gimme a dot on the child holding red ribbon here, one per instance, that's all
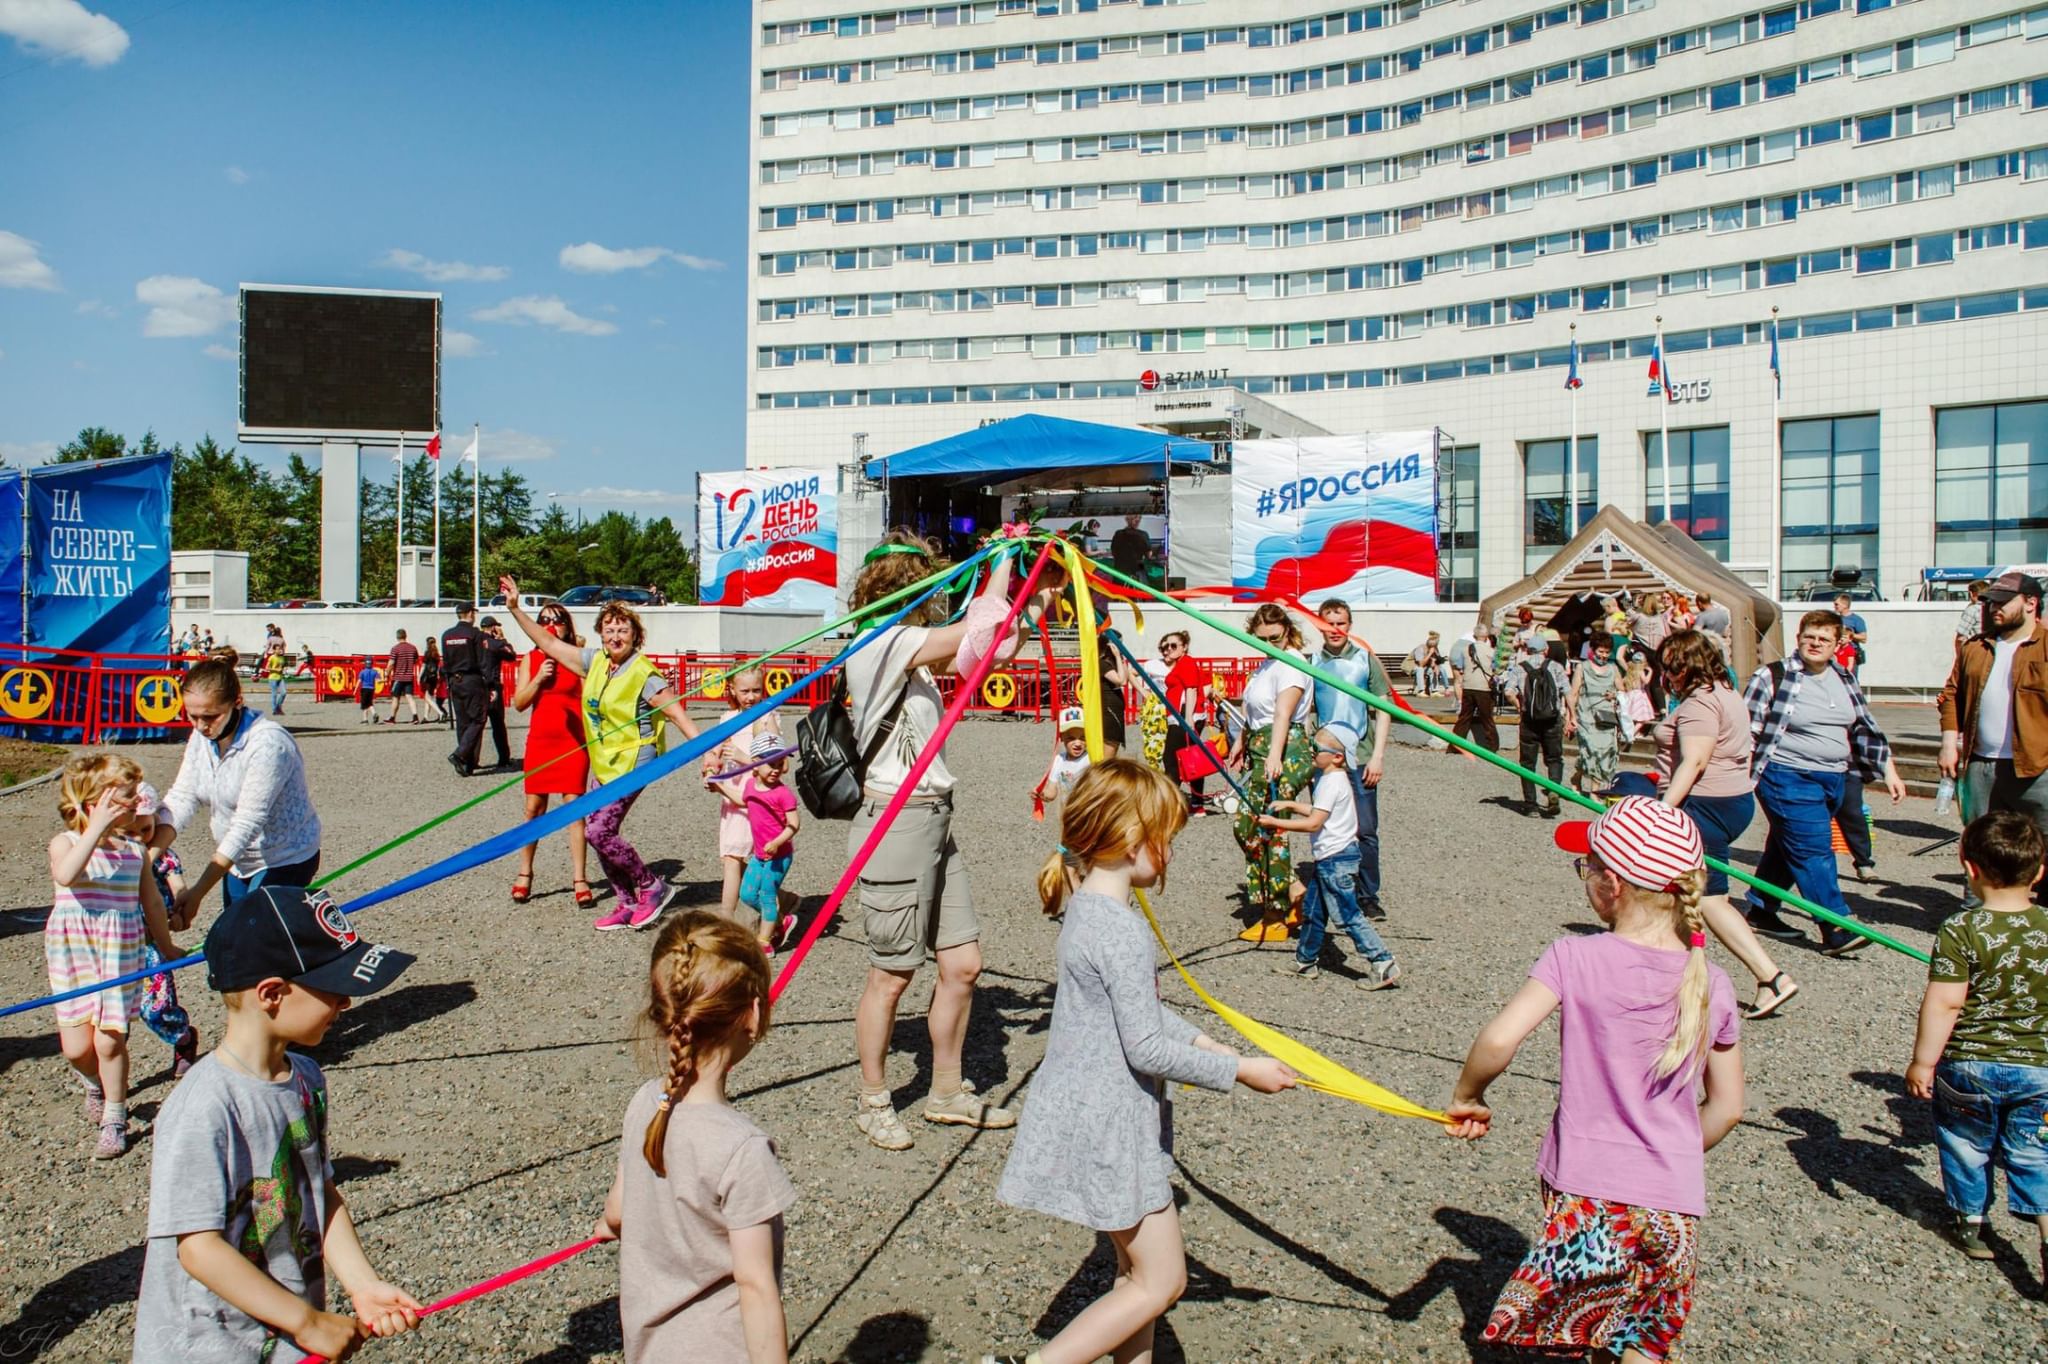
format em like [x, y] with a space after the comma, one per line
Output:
[1623, 1165]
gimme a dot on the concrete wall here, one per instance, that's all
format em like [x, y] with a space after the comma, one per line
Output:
[670, 629]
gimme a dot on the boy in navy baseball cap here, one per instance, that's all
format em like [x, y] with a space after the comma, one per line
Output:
[245, 1219]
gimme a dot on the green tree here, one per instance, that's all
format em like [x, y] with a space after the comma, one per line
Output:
[95, 442]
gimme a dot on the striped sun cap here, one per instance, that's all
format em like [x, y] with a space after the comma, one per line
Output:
[1643, 841]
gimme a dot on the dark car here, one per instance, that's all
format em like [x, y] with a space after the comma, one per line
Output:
[591, 594]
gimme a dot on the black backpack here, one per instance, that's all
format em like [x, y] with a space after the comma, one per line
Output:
[1539, 694]
[831, 766]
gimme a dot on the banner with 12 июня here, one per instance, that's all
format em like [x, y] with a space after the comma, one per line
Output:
[768, 537]
[1335, 516]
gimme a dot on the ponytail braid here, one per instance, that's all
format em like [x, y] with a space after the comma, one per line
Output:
[1689, 1026]
[707, 978]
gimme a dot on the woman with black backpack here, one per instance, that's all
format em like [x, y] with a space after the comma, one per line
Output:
[914, 896]
[1539, 684]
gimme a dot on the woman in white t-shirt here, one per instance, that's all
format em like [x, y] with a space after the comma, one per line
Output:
[914, 897]
[1278, 762]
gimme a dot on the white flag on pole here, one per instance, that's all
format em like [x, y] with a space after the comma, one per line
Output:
[470, 454]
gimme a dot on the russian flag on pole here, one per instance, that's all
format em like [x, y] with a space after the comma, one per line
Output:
[434, 447]
[1657, 375]
[1572, 379]
[1776, 373]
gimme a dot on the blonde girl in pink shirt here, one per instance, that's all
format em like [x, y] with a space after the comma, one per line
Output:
[1643, 1019]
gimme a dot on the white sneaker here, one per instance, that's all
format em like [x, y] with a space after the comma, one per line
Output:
[1379, 975]
[877, 1118]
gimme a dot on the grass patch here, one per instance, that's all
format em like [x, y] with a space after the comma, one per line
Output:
[24, 760]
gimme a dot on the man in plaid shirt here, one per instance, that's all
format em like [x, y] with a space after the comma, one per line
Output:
[1811, 726]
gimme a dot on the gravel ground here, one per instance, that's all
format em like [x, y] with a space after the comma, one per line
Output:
[476, 1106]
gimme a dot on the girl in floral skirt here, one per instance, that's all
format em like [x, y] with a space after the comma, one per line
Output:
[1643, 1019]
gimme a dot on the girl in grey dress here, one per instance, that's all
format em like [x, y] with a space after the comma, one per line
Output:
[1094, 1143]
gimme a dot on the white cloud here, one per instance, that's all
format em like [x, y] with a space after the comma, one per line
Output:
[217, 351]
[235, 175]
[180, 305]
[505, 447]
[20, 266]
[547, 311]
[441, 271]
[93, 307]
[63, 30]
[457, 345]
[629, 497]
[19, 453]
[588, 258]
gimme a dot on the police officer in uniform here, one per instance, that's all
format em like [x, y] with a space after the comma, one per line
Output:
[467, 667]
[498, 653]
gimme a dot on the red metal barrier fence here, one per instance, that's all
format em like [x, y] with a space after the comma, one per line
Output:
[1022, 689]
[66, 696]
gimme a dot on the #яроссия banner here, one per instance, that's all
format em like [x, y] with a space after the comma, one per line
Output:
[768, 537]
[99, 557]
[1341, 516]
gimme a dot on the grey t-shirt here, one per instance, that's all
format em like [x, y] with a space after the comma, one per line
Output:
[677, 1296]
[1816, 734]
[1716, 621]
[246, 1158]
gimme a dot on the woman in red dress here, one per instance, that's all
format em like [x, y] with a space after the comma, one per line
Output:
[556, 764]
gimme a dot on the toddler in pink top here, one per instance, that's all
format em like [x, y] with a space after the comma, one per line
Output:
[1643, 1019]
[772, 820]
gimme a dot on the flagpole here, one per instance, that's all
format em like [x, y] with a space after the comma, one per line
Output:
[476, 525]
[398, 559]
[1664, 416]
[1571, 477]
[1777, 480]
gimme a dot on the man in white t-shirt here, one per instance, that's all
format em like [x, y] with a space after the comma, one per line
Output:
[1330, 818]
[1994, 709]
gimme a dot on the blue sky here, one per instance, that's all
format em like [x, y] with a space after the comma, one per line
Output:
[570, 176]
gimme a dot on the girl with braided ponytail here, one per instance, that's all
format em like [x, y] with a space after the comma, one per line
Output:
[700, 1255]
[1644, 1020]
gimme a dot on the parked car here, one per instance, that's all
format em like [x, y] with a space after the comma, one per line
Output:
[1859, 584]
[591, 594]
[532, 601]
[302, 604]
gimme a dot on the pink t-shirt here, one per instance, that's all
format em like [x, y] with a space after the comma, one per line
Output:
[1720, 714]
[768, 811]
[1619, 1133]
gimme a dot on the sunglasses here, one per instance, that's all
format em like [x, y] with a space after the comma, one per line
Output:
[1272, 639]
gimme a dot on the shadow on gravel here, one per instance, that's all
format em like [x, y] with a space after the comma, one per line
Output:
[31, 1048]
[533, 1050]
[1914, 1116]
[1473, 1280]
[890, 1336]
[65, 1304]
[984, 1055]
[1882, 1172]
[30, 919]
[593, 1331]
[383, 1015]
[347, 1168]
[1280, 1240]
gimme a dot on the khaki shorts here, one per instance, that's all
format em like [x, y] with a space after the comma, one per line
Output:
[914, 896]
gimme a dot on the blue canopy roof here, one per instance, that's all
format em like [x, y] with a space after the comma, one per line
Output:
[1021, 445]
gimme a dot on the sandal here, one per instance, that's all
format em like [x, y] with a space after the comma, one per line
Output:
[522, 888]
[1782, 989]
[585, 897]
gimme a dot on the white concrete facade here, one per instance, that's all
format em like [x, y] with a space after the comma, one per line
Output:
[1477, 184]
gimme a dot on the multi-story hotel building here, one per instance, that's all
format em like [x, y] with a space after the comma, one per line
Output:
[1400, 215]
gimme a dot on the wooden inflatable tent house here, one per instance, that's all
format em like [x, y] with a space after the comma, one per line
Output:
[1615, 551]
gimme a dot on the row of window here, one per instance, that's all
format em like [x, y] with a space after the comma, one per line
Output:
[1925, 312]
[1928, 49]
[1743, 215]
[1990, 491]
[1358, 123]
[1935, 248]
[1922, 182]
[1727, 33]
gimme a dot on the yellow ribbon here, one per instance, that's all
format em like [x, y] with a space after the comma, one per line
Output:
[1317, 1071]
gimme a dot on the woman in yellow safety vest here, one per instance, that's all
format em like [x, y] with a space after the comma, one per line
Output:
[625, 701]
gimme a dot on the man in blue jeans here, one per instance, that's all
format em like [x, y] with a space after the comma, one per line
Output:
[1348, 716]
[1330, 818]
[1811, 726]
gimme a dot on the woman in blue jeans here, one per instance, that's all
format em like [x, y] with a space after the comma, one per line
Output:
[1812, 726]
[1702, 765]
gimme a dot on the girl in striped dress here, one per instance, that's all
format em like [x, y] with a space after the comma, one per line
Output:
[104, 908]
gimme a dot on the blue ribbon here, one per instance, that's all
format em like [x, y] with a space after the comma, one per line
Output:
[1193, 733]
[533, 830]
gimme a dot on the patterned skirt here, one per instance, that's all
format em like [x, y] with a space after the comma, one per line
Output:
[1604, 1275]
[1152, 724]
[1268, 866]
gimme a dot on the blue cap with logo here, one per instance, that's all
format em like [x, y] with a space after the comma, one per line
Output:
[298, 935]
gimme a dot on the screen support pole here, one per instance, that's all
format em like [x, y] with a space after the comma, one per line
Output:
[341, 498]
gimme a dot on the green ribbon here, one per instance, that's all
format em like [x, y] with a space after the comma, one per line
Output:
[1438, 731]
[465, 807]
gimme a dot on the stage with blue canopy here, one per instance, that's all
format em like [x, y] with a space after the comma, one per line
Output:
[1031, 446]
